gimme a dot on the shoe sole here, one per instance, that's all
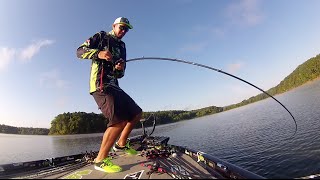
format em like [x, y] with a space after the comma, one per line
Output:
[117, 150]
[124, 151]
[100, 169]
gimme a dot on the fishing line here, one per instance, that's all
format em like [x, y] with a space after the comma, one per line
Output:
[220, 71]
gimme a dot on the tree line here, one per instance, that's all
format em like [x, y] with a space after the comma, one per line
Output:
[82, 122]
[305, 72]
[23, 130]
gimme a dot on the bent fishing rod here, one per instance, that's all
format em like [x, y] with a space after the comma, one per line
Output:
[220, 71]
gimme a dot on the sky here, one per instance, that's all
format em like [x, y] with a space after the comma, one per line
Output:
[260, 41]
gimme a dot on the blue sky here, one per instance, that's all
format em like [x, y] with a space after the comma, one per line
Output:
[261, 41]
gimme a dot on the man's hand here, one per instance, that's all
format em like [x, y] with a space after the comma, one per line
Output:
[119, 65]
[105, 55]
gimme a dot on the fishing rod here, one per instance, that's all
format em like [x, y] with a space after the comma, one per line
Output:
[220, 71]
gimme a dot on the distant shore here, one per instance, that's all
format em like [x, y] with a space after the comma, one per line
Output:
[308, 82]
[47, 129]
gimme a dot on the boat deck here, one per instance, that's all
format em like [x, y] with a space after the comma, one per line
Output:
[138, 167]
[155, 160]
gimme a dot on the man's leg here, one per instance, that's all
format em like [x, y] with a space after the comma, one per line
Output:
[110, 136]
[127, 129]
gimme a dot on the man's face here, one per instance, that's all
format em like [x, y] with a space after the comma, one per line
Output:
[120, 30]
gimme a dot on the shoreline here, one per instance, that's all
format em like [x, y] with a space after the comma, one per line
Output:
[304, 84]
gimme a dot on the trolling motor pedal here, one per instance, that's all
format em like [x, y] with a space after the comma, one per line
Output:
[156, 141]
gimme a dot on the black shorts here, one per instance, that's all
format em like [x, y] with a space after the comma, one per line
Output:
[116, 105]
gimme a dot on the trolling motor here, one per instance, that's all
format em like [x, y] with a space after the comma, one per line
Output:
[142, 121]
[148, 141]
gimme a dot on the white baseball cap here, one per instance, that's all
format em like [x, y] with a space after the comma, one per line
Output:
[123, 20]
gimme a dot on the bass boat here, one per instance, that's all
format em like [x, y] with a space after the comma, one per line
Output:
[156, 159]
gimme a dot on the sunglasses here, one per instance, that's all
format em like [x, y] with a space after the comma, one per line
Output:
[124, 28]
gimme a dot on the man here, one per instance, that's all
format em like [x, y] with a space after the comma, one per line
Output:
[108, 54]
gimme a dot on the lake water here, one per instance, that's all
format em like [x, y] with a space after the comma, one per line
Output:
[254, 137]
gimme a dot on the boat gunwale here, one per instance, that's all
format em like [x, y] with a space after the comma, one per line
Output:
[215, 166]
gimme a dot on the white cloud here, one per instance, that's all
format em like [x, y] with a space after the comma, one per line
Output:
[6, 56]
[240, 13]
[61, 101]
[244, 12]
[27, 53]
[235, 67]
[208, 30]
[51, 79]
[195, 47]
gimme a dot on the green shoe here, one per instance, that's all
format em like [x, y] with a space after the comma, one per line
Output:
[107, 166]
[127, 149]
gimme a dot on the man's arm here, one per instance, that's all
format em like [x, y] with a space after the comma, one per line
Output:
[89, 49]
